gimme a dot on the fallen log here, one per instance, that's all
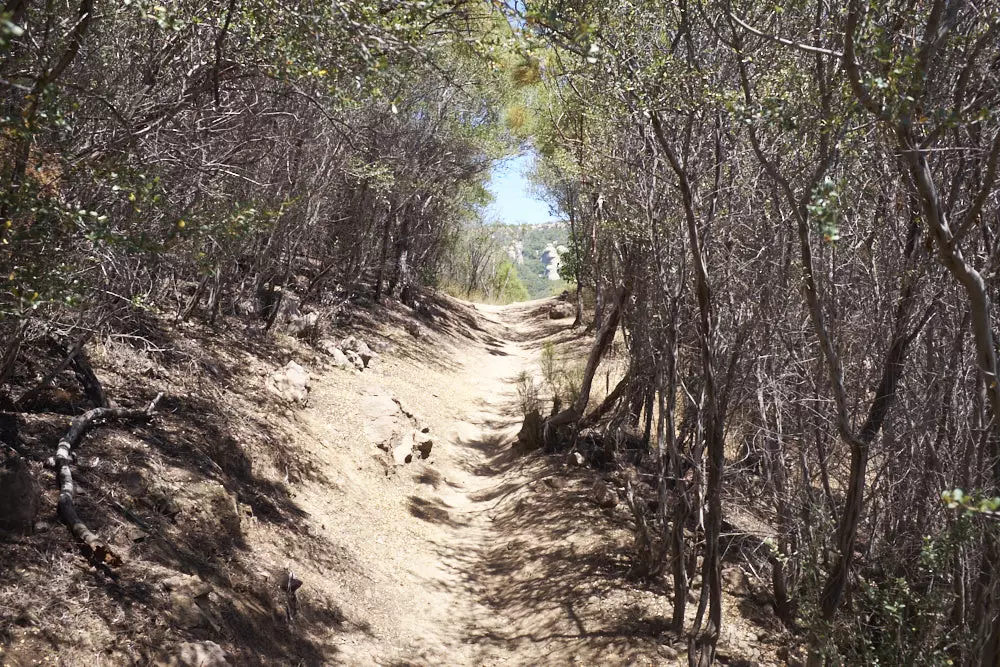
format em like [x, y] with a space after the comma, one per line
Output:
[93, 548]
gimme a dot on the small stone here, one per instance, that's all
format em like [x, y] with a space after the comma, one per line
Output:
[604, 495]
[402, 453]
[339, 358]
[577, 459]
[187, 584]
[556, 482]
[291, 382]
[355, 359]
[337, 355]
[422, 444]
[195, 654]
[667, 651]
[185, 612]
[382, 431]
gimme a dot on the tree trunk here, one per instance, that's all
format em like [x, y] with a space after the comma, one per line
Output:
[574, 412]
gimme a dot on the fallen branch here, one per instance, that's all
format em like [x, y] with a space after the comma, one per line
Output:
[93, 548]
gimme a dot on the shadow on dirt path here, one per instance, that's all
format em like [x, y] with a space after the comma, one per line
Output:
[536, 572]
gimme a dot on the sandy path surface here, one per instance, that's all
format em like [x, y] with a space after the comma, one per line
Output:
[476, 556]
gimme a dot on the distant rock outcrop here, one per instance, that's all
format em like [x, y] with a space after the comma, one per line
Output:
[516, 252]
[552, 260]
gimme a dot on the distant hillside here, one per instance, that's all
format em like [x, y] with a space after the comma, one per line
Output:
[526, 244]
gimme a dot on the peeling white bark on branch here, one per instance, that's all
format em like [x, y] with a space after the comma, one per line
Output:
[93, 547]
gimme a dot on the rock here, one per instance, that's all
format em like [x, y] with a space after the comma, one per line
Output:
[555, 482]
[422, 444]
[185, 612]
[339, 358]
[292, 382]
[303, 325]
[604, 495]
[561, 311]
[378, 403]
[331, 348]
[195, 654]
[402, 453]
[355, 359]
[668, 652]
[211, 517]
[20, 496]
[382, 431]
[186, 584]
[412, 445]
[355, 344]
[381, 346]
[577, 459]
[735, 581]
[530, 435]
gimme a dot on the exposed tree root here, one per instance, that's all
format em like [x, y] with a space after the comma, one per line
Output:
[93, 548]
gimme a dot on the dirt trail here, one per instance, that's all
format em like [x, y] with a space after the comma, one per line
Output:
[475, 556]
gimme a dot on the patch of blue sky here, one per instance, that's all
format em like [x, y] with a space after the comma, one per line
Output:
[514, 199]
